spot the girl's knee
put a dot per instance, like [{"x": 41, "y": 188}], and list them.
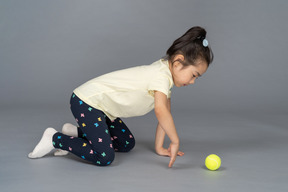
[
  {"x": 104, "y": 159},
  {"x": 125, "y": 146},
  {"x": 130, "y": 145}
]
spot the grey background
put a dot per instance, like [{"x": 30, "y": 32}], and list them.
[
  {"x": 48, "y": 48},
  {"x": 237, "y": 110}
]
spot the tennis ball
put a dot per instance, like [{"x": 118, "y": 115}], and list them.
[{"x": 213, "y": 162}]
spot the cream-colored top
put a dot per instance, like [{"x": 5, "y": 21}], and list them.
[{"x": 128, "y": 92}]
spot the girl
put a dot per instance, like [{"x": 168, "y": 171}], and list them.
[{"x": 98, "y": 104}]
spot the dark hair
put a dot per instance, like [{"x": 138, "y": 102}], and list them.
[{"x": 190, "y": 45}]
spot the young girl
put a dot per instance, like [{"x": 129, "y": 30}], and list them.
[{"x": 98, "y": 104}]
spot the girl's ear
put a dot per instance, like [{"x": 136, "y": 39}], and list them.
[{"x": 181, "y": 59}]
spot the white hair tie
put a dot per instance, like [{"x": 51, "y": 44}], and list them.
[{"x": 205, "y": 43}]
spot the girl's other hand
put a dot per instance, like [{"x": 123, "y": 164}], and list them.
[{"x": 167, "y": 152}]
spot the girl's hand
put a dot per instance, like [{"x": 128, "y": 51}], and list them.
[
  {"x": 174, "y": 147},
  {"x": 167, "y": 152}
]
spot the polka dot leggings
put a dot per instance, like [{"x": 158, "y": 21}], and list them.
[{"x": 98, "y": 137}]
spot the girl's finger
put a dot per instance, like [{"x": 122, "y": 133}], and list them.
[
  {"x": 171, "y": 162},
  {"x": 180, "y": 154}
]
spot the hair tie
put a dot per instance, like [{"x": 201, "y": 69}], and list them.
[{"x": 205, "y": 43}]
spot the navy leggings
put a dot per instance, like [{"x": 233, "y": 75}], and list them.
[{"x": 98, "y": 137}]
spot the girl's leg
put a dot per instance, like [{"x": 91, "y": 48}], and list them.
[
  {"x": 121, "y": 136},
  {"x": 67, "y": 129},
  {"x": 96, "y": 146},
  {"x": 70, "y": 130}
]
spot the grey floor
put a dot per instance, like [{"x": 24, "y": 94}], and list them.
[{"x": 253, "y": 148}]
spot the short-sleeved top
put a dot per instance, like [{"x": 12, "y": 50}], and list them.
[{"x": 128, "y": 92}]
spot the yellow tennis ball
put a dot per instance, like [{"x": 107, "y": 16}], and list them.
[{"x": 213, "y": 162}]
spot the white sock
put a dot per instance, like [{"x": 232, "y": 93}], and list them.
[
  {"x": 45, "y": 144},
  {"x": 67, "y": 129}
]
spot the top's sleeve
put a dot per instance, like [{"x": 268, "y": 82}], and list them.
[{"x": 160, "y": 83}]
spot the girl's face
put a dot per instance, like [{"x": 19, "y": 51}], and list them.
[{"x": 186, "y": 75}]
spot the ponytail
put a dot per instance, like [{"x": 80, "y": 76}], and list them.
[{"x": 193, "y": 45}]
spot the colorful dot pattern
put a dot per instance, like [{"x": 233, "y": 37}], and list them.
[{"x": 98, "y": 137}]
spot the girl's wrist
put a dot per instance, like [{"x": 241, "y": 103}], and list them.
[
  {"x": 158, "y": 149},
  {"x": 175, "y": 141}
]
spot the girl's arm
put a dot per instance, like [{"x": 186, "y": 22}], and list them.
[
  {"x": 160, "y": 137},
  {"x": 165, "y": 119},
  {"x": 159, "y": 141}
]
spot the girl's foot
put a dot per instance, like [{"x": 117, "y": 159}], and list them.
[
  {"x": 45, "y": 145},
  {"x": 67, "y": 129}
]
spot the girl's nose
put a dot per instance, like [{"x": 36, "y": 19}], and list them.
[{"x": 192, "y": 81}]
